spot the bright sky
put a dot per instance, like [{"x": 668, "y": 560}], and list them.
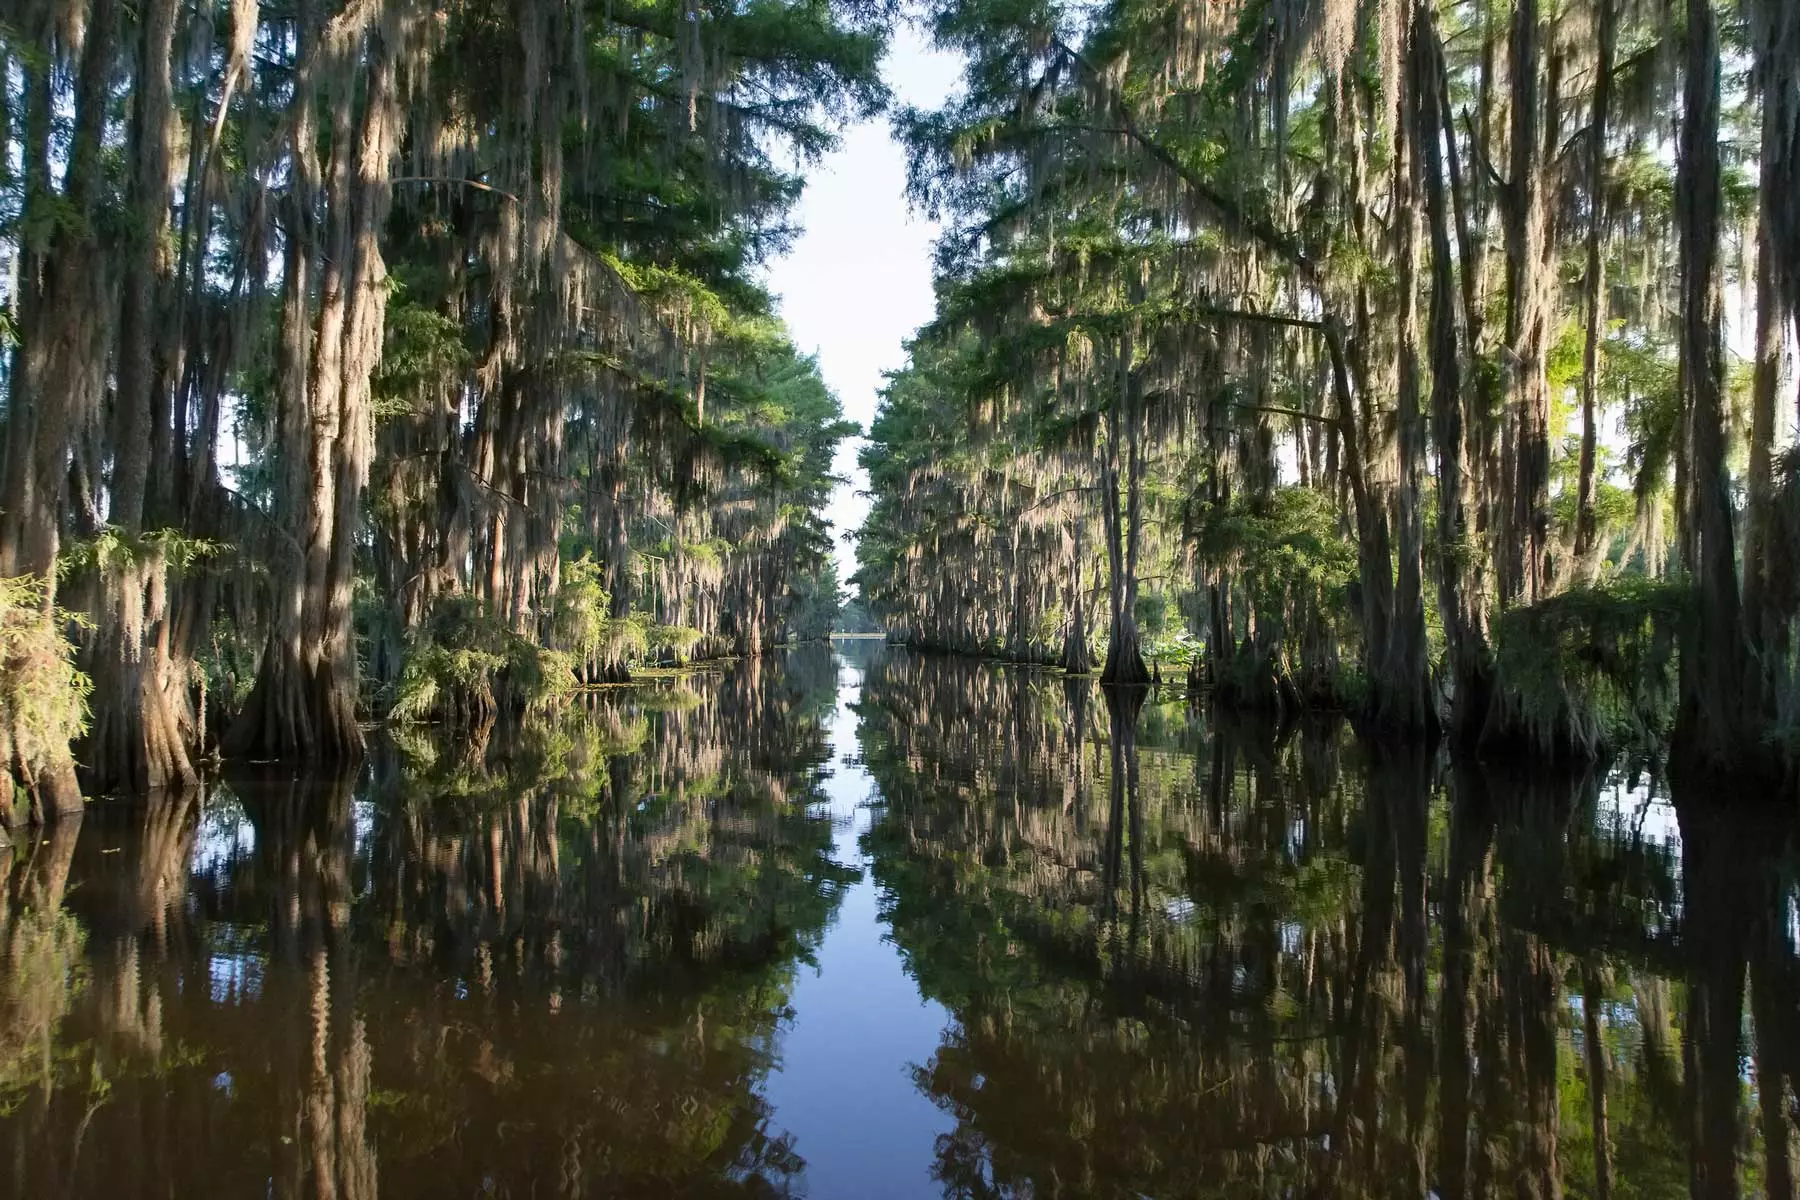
[{"x": 858, "y": 281}]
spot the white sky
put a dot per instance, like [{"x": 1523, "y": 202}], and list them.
[{"x": 858, "y": 281}]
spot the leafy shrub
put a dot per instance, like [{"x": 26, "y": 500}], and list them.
[
  {"x": 1179, "y": 648},
  {"x": 584, "y": 625},
  {"x": 463, "y": 664},
  {"x": 43, "y": 697},
  {"x": 1588, "y": 670}
]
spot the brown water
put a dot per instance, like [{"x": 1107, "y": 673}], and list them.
[{"x": 881, "y": 925}]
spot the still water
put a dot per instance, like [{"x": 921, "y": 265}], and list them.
[{"x": 872, "y": 924}]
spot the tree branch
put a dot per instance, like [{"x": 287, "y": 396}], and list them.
[{"x": 1255, "y": 226}]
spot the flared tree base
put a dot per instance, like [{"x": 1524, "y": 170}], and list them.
[{"x": 294, "y": 715}]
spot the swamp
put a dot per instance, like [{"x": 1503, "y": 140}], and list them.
[
  {"x": 970, "y": 598},
  {"x": 883, "y": 924}
]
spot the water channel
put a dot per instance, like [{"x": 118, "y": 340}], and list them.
[{"x": 859, "y": 922}]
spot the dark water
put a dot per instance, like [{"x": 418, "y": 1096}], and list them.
[{"x": 881, "y": 925}]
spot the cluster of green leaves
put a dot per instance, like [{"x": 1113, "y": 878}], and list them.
[
  {"x": 43, "y": 694},
  {"x": 112, "y": 548},
  {"x": 817, "y": 602},
  {"x": 422, "y": 348},
  {"x": 584, "y": 625},
  {"x": 1287, "y": 540},
  {"x": 226, "y": 666},
  {"x": 1593, "y": 667},
  {"x": 463, "y": 660}
]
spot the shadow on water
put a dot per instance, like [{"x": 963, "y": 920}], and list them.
[{"x": 1180, "y": 955}]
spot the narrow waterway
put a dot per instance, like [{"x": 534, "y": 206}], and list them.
[
  {"x": 869, "y": 923},
  {"x": 846, "y": 1089}
]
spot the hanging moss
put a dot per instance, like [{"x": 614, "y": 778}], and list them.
[
  {"x": 463, "y": 666},
  {"x": 584, "y": 627},
  {"x": 1587, "y": 671},
  {"x": 43, "y": 696}
]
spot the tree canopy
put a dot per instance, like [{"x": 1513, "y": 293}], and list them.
[
  {"x": 1380, "y": 347},
  {"x": 376, "y": 356}
]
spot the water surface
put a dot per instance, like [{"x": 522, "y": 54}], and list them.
[{"x": 874, "y": 924}]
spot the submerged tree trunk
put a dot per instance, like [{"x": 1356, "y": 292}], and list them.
[
  {"x": 1719, "y": 871},
  {"x": 1467, "y": 908},
  {"x": 1593, "y": 1038}
]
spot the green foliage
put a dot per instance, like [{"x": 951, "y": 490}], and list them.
[
  {"x": 462, "y": 662},
  {"x": 1177, "y": 648},
  {"x": 855, "y": 617},
  {"x": 227, "y": 665},
  {"x": 583, "y": 621},
  {"x": 1589, "y": 669},
  {"x": 43, "y": 696},
  {"x": 421, "y": 348},
  {"x": 112, "y": 549},
  {"x": 585, "y": 627},
  {"x": 1641, "y": 375},
  {"x": 817, "y": 602},
  {"x": 1290, "y": 539}
]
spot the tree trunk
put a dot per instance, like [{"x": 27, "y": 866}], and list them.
[
  {"x": 1713, "y": 729},
  {"x": 1124, "y": 664},
  {"x": 304, "y": 701},
  {"x": 1759, "y": 516},
  {"x": 1768, "y": 615},
  {"x": 1587, "y": 548},
  {"x": 1460, "y": 604},
  {"x": 1408, "y": 702},
  {"x": 1529, "y": 276},
  {"x": 1018, "y": 647},
  {"x": 1124, "y": 651},
  {"x": 1776, "y": 26},
  {"x": 614, "y": 668},
  {"x": 1075, "y": 659},
  {"x": 138, "y": 741},
  {"x": 59, "y": 371}
]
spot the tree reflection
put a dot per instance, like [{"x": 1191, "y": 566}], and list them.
[
  {"x": 552, "y": 963},
  {"x": 42, "y": 947},
  {"x": 1187, "y": 956}
]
